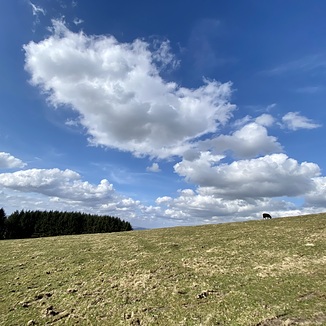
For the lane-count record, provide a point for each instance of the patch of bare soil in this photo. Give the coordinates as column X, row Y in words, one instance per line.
column 319, row 319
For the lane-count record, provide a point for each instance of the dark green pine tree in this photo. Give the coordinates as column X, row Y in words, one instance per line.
column 2, row 223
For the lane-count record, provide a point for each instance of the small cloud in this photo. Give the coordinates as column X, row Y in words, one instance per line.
column 163, row 200
column 249, row 141
column 37, row 9
column 260, row 108
column 270, row 107
column 7, row 161
column 78, row 21
column 265, row 120
column 295, row 121
column 154, row 168
column 72, row 123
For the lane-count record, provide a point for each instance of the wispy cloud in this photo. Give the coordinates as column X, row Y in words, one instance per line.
column 295, row 121
column 308, row 63
column 37, row 9
column 310, row 89
column 78, row 21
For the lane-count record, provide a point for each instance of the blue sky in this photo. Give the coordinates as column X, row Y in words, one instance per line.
column 163, row 113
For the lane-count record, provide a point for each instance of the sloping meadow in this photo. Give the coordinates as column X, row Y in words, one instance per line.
column 268, row 272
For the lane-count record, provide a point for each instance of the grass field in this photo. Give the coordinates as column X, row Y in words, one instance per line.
column 268, row 272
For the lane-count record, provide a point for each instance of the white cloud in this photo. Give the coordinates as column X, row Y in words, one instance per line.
column 77, row 21
column 162, row 55
column 270, row 107
column 249, row 141
column 206, row 205
column 122, row 100
column 200, row 170
column 295, row 121
column 265, row 120
column 46, row 189
column 65, row 184
column 72, row 123
column 163, row 200
column 8, row 161
column 317, row 196
column 153, row 168
column 273, row 175
column 37, row 9
column 241, row 122
column 192, row 207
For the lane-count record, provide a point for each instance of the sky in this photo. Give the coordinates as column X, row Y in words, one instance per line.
column 163, row 113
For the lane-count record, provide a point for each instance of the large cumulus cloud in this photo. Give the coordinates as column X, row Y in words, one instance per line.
column 244, row 189
column 118, row 92
column 272, row 175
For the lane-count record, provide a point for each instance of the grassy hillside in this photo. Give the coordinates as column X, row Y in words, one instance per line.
column 268, row 272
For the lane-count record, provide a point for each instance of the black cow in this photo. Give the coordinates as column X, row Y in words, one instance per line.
column 266, row 215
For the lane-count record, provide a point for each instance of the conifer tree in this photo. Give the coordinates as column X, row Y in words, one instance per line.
column 27, row 224
column 2, row 223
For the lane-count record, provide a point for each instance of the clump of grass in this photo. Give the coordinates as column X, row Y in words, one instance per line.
column 250, row 273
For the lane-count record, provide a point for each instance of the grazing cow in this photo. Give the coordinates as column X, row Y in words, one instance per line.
column 265, row 216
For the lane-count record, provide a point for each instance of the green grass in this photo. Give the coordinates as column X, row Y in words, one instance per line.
column 268, row 272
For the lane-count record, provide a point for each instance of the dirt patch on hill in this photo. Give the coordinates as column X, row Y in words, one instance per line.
column 316, row 320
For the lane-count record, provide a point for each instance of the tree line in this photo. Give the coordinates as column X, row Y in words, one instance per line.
column 34, row 224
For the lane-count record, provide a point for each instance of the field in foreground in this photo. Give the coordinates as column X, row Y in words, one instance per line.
column 251, row 273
